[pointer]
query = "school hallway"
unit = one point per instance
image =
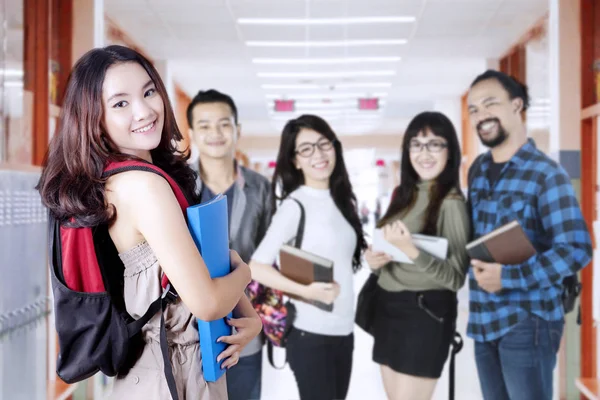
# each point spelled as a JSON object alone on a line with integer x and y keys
{"x": 367, "y": 68}
{"x": 366, "y": 380}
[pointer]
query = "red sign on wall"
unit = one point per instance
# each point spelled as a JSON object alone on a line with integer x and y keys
{"x": 284, "y": 105}
{"x": 371, "y": 103}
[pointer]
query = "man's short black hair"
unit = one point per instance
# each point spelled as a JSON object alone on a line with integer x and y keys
{"x": 509, "y": 83}
{"x": 211, "y": 96}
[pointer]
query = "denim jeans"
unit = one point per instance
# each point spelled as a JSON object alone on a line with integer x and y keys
{"x": 520, "y": 364}
{"x": 243, "y": 379}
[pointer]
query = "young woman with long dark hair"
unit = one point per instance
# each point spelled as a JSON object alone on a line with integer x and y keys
{"x": 416, "y": 305}
{"x": 311, "y": 169}
{"x": 116, "y": 108}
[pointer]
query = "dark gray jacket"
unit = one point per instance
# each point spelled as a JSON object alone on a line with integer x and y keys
{"x": 250, "y": 212}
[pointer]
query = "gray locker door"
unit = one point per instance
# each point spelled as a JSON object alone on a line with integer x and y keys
{"x": 24, "y": 302}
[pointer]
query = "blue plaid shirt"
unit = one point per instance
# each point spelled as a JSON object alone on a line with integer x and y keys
{"x": 537, "y": 192}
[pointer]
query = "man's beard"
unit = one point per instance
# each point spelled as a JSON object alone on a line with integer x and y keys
{"x": 497, "y": 140}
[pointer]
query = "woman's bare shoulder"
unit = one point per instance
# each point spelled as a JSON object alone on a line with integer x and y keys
{"x": 131, "y": 186}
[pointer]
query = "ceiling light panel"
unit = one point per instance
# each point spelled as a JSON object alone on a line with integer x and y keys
{"x": 315, "y": 74}
{"x": 345, "y": 104}
{"x": 345, "y": 113}
{"x": 326, "y": 61}
{"x": 322, "y": 96}
{"x": 332, "y": 86}
{"x": 291, "y": 86}
{"x": 326, "y": 43}
{"x": 327, "y": 21}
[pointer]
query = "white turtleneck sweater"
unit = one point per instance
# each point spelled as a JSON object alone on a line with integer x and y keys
{"x": 326, "y": 234}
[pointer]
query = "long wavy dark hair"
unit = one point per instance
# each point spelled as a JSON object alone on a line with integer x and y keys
{"x": 288, "y": 178}
{"x": 71, "y": 184}
{"x": 405, "y": 195}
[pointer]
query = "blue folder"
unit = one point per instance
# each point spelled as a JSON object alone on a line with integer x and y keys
{"x": 209, "y": 226}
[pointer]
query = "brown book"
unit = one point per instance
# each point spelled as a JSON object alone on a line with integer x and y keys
{"x": 305, "y": 268}
{"x": 507, "y": 245}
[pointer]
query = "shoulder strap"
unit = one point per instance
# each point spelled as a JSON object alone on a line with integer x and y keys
{"x": 117, "y": 167}
{"x": 161, "y": 302}
{"x": 114, "y": 168}
{"x": 300, "y": 231}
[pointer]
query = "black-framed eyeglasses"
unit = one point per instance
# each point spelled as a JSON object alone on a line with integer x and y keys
{"x": 308, "y": 149}
{"x": 433, "y": 146}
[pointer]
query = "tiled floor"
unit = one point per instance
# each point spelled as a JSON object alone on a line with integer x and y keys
{"x": 366, "y": 381}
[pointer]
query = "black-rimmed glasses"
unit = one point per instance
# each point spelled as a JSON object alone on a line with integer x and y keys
{"x": 433, "y": 146}
{"x": 308, "y": 149}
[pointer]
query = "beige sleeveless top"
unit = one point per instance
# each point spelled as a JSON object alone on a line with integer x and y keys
{"x": 146, "y": 380}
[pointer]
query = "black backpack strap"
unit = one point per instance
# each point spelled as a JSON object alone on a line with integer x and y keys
{"x": 291, "y": 313}
{"x": 457, "y": 345}
{"x": 159, "y": 305}
{"x": 164, "y": 349}
{"x": 54, "y": 247}
{"x": 270, "y": 356}
{"x": 300, "y": 231}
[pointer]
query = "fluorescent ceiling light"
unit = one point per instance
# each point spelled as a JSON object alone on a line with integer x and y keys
{"x": 325, "y": 21}
{"x": 325, "y": 61}
{"x": 327, "y": 105}
{"x": 309, "y": 86}
{"x": 326, "y": 43}
{"x": 320, "y": 96}
{"x": 345, "y": 74}
{"x": 351, "y": 112}
{"x": 296, "y": 87}
{"x": 355, "y": 119}
{"x": 320, "y": 112}
{"x": 363, "y": 85}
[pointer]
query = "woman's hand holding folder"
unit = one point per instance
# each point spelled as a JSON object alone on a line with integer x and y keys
{"x": 399, "y": 235}
{"x": 377, "y": 259}
{"x": 247, "y": 328}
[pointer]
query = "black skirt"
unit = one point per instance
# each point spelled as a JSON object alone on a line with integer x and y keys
{"x": 413, "y": 330}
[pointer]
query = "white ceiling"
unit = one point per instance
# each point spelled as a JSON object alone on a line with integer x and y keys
{"x": 447, "y": 47}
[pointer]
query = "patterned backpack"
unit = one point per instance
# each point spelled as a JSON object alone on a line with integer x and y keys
{"x": 277, "y": 316}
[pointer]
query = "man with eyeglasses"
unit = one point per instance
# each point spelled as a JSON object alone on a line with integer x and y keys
{"x": 516, "y": 313}
{"x": 214, "y": 129}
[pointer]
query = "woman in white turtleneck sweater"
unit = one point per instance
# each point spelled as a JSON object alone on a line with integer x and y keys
{"x": 310, "y": 169}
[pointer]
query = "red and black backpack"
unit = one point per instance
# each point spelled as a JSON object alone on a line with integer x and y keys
{"x": 95, "y": 332}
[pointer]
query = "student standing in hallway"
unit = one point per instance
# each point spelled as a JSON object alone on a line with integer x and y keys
{"x": 416, "y": 306}
{"x": 116, "y": 108}
{"x": 311, "y": 169}
{"x": 516, "y": 313}
{"x": 214, "y": 129}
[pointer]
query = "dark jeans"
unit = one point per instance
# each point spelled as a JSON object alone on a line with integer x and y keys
{"x": 243, "y": 379}
{"x": 520, "y": 364}
{"x": 321, "y": 364}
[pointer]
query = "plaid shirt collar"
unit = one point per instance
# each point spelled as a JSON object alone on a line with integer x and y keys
{"x": 524, "y": 154}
